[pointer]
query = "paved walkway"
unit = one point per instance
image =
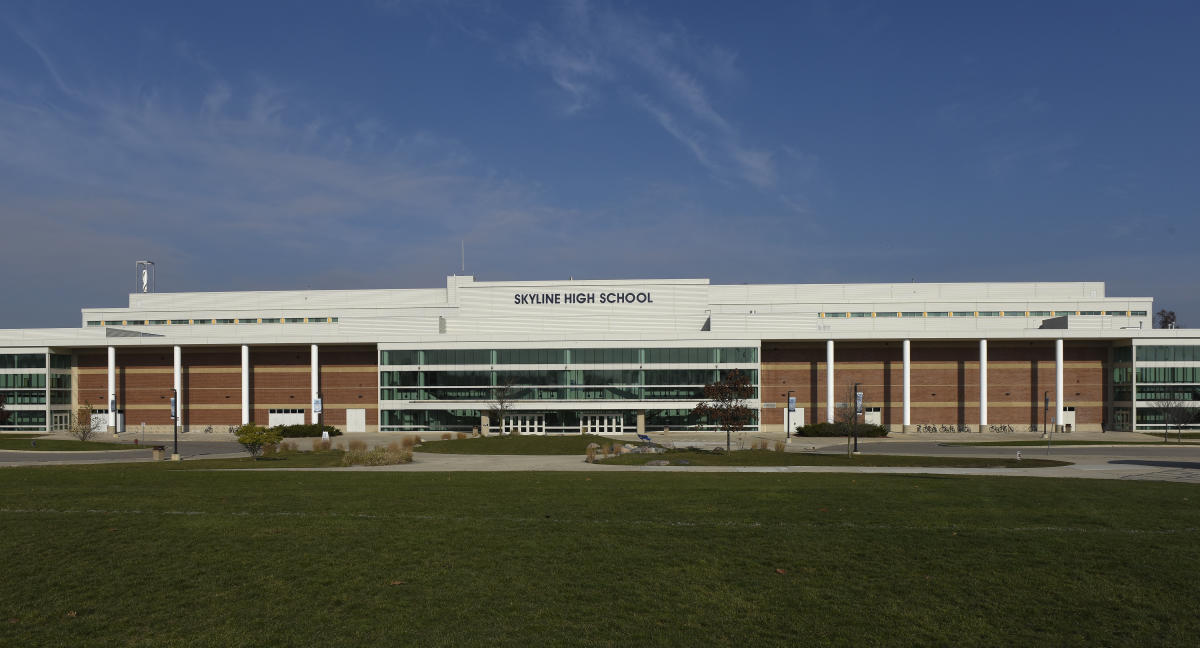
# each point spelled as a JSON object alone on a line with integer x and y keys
{"x": 1161, "y": 462}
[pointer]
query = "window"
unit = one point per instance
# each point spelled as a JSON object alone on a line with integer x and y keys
{"x": 60, "y": 361}
{"x": 247, "y": 320}
{"x": 293, "y": 320}
{"x": 1168, "y": 353}
{"x": 740, "y": 355}
{"x": 912, "y": 314}
{"x": 1138, "y": 313}
{"x": 179, "y": 321}
{"x": 1039, "y": 313}
{"x": 270, "y": 320}
{"x": 400, "y": 357}
{"x": 626, "y": 356}
{"x": 963, "y": 314}
{"x": 833, "y": 314}
{"x": 886, "y": 314}
{"x": 23, "y": 361}
{"x": 1014, "y": 313}
{"x": 937, "y": 314}
{"x": 23, "y": 381}
{"x": 226, "y": 321}
{"x": 458, "y": 357}
{"x": 93, "y": 323}
{"x": 860, "y": 314}
{"x": 157, "y": 322}
{"x": 1089, "y": 312}
{"x": 531, "y": 356}
{"x": 987, "y": 313}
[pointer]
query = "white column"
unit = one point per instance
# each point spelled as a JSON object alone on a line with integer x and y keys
{"x": 245, "y": 384}
{"x": 316, "y": 383}
{"x": 982, "y": 384}
{"x": 829, "y": 381}
{"x": 178, "y": 371}
{"x": 907, "y": 382}
{"x": 112, "y": 389}
{"x": 1058, "y": 382}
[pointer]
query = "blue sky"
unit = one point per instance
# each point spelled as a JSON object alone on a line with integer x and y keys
{"x": 355, "y": 144}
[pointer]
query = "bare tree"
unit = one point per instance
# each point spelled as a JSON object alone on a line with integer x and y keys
{"x": 3, "y": 412}
{"x": 501, "y": 403}
{"x": 82, "y": 426}
{"x": 1166, "y": 319}
{"x": 1176, "y": 413}
{"x": 725, "y": 402}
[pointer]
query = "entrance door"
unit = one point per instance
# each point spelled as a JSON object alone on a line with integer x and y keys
{"x": 525, "y": 424}
{"x": 356, "y": 421}
{"x": 601, "y": 424}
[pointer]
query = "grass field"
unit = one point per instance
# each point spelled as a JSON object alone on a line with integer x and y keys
{"x": 769, "y": 458}
{"x": 517, "y": 445}
{"x": 150, "y": 555}
{"x": 22, "y": 442}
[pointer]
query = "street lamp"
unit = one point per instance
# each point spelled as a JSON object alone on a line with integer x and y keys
{"x": 787, "y": 414}
{"x": 175, "y": 422}
{"x": 857, "y": 407}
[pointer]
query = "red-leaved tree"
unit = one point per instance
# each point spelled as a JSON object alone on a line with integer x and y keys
{"x": 725, "y": 403}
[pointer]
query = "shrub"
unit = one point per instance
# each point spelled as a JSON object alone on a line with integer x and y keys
{"x": 377, "y": 457}
{"x": 358, "y": 445}
{"x": 446, "y": 436}
{"x": 841, "y": 429}
{"x": 305, "y": 431}
{"x": 408, "y": 441}
{"x": 460, "y": 436}
{"x": 254, "y": 438}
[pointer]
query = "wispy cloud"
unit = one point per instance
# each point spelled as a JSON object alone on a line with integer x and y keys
{"x": 593, "y": 52}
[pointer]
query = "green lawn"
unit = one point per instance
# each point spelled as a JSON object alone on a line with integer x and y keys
{"x": 1174, "y": 435}
{"x": 770, "y": 458}
{"x": 23, "y": 442}
{"x": 150, "y": 555}
{"x": 518, "y": 445}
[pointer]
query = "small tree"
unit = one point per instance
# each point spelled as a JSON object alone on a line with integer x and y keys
{"x": 725, "y": 403}
{"x": 1166, "y": 319}
{"x": 501, "y": 403}
{"x": 3, "y": 413}
{"x": 1177, "y": 414}
{"x": 255, "y": 437}
{"x": 83, "y": 427}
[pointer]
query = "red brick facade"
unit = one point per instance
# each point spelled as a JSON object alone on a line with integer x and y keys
{"x": 280, "y": 378}
{"x": 945, "y": 380}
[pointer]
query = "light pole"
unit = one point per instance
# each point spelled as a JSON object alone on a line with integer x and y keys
{"x": 1048, "y": 432}
{"x": 788, "y": 414}
{"x": 857, "y": 407}
{"x": 175, "y": 422}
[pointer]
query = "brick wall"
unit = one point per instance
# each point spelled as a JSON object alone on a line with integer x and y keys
{"x": 945, "y": 380}
{"x": 280, "y": 378}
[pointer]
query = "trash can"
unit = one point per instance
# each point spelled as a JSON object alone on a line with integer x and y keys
{"x": 157, "y": 452}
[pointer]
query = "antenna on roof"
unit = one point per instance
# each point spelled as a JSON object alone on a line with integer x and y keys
{"x": 144, "y": 276}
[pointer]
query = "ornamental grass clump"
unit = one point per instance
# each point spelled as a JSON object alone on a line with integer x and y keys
{"x": 780, "y": 445}
{"x": 358, "y": 445}
{"x": 319, "y": 445}
{"x": 388, "y": 456}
